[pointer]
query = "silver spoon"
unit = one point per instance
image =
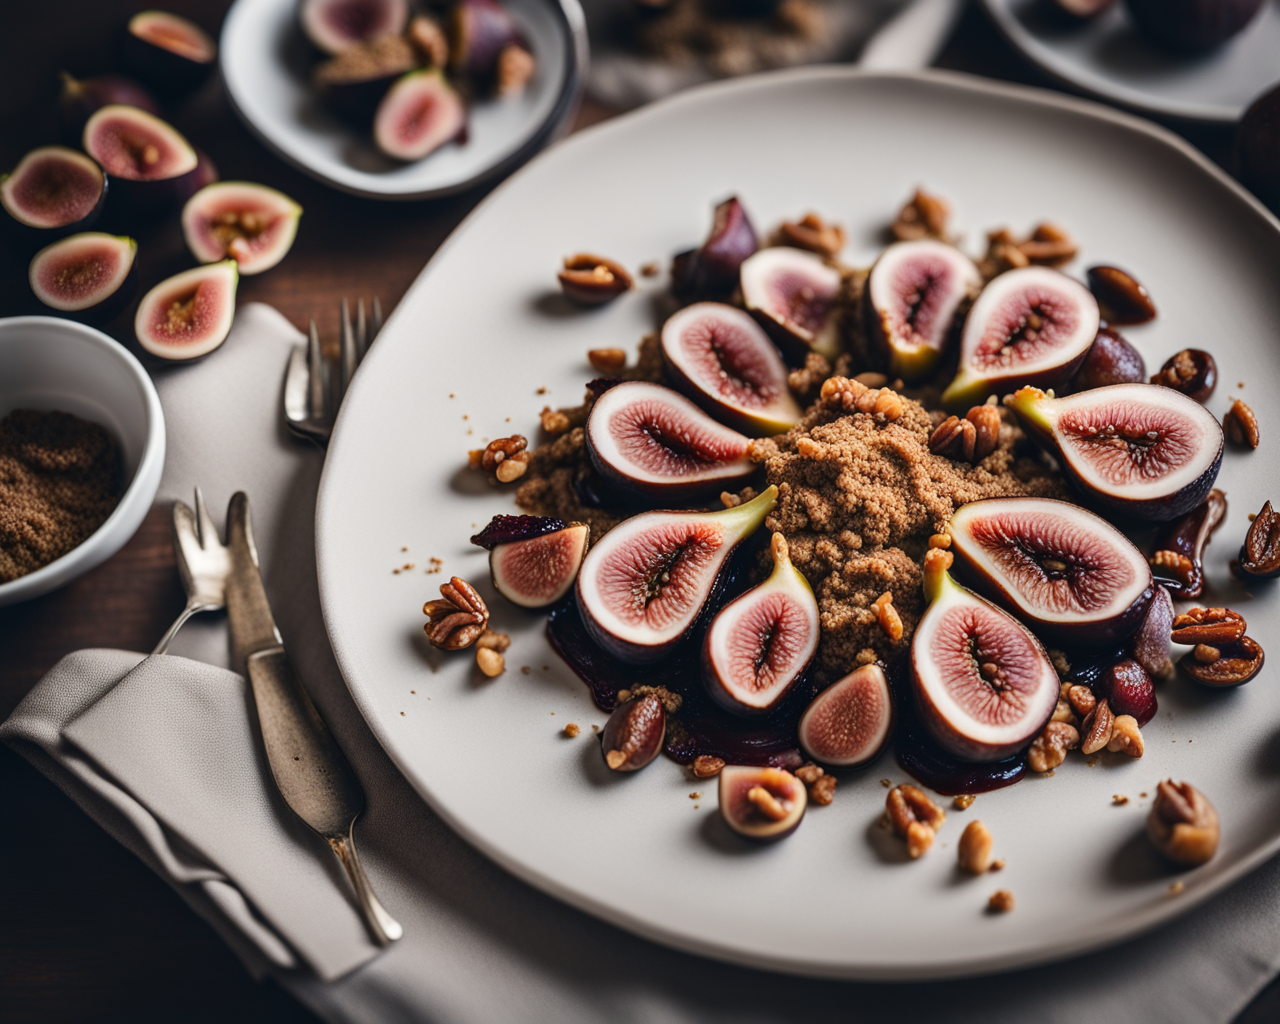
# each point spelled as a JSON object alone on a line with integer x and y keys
{"x": 202, "y": 563}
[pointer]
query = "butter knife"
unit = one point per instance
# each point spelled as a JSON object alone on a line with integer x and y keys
{"x": 306, "y": 761}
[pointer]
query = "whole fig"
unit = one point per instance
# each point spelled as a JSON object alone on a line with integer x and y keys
{"x": 1192, "y": 24}
{"x": 1258, "y": 147}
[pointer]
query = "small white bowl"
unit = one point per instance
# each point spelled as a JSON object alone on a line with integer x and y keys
{"x": 47, "y": 363}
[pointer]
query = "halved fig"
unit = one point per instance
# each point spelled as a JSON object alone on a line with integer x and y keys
{"x": 479, "y": 30}
{"x": 169, "y": 53}
{"x": 152, "y": 166}
{"x": 1031, "y": 326}
{"x": 763, "y": 804}
{"x": 910, "y": 303}
{"x": 354, "y": 82}
{"x": 190, "y": 314}
{"x": 79, "y": 99}
{"x": 1151, "y": 647}
{"x": 252, "y": 224}
{"x": 1129, "y": 690}
{"x": 791, "y": 292}
{"x": 719, "y": 357}
{"x": 983, "y": 684}
{"x": 53, "y": 192}
{"x": 90, "y": 276}
{"x": 533, "y": 559}
{"x": 1110, "y": 360}
{"x": 760, "y": 644}
{"x": 643, "y": 585}
{"x": 1068, "y": 574}
{"x": 334, "y": 25}
{"x": 711, "y": 271}
{"x": 420, "y": 114}
{"x": 1148, "y": 452}
{"x": 849, "y": 723}
{"x": 649, "y": 440}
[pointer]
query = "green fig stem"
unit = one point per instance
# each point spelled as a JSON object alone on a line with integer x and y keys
{"x": 747, "y": 517}
{"x": 784, "y": 572}
{"x": 937, "y": 580}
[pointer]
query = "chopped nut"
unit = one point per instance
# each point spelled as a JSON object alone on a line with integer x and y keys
{"x": 1001, "y": 901}
{"x": 650, "y": 269}
{"x": 593, "y": 280}
{"x": 814, "y": 234}
{"x": 823, "y": 790}
{"x": 504, "y": 459}
{"x": 940, "y": 540}
{"x": 808, "y": 773}
{"x": 607, "y": 360}
{"x": 1047, "y": 245}
{"x": 1205, "y": 654}
{"x": 1182, "y": 824}
{"x": 624, "y": 695}
{"x": 974, "y": 850}
{"x": 1098, "y": 728}
{"x": 1126, "y": 737}
{"x": 1064, "y": 713}
{"x": 1060, "y": 663}
{"x": 1082, "y": 699}
{"x": 963, "y": 801}
{"x": 914, "y": 817}
{"x": 866, "y": 656}
{"x": 729, "y": 500}
{"x": 427, "y": 35}
{"x": 491, "y": 662}
{"x": 1119, "y": 799}
{"x": 513, "y": 468}
{"x": 1049, "y": 749}
{"x": 851, "y": 396}
{"x": 493, "y": 640}
{"x": 1177, "y": 887}
{"x": 705, "y": 766}
{"x": 1241, "y": 425}
{"x": 888, "y": 617}
{"x": 516, "y": 66}
{"x": 571, "y": 729}
{"x": 954, "y": 438}
{"x": 924, "y": 216}
{"x": 458, "y": 618}
{"x": 554, "y": 422}
{"x": 997, "y": 865}
{"x": 986, "y": 423}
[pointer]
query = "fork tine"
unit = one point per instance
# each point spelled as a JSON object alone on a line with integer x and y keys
{"x": 347, "y": 363}
{"x": 362, "y": 331}
{"x": 208, "y": 531}
{"x": 377, "y": 319}
{"x": 315, "y": 373}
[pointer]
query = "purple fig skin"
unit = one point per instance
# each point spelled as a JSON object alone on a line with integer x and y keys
{"x": 1194, "y": 25}
{"x": 506, "y": 529}
{"x": 1110, "y": 360}
{"x": 711, "y": 271}
{"x": 1129, "y": 691}
{"x": 1151, "y": 645}
{"x": 1258, "y": 148}
{"x": 79, "y": 99}
{"x": 478, "y": 32}
{"x": 166, "y": 70}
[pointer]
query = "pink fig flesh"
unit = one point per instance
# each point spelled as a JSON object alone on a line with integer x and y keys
{"x": 419, "y": 114}
{"x": 189, "y": 315}
{"x": 539, "y": 571}
{"x": 850, "y": 722}
{"x": 792, "y": 293}
{"x": 252, "y": 224}
{"x": 136, "y": 146}
{"x": 88, "y": 271}
{"x": 333, "y": 25}
{"x": 53, "y": 187}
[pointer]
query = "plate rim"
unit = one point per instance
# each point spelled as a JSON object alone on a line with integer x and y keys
{"x": 1141, "y": 922}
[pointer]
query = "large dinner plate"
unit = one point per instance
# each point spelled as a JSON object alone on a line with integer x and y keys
{"x": 481, "y": 342}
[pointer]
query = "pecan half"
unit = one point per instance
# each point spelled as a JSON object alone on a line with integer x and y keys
{"x": 1125, "y": 736}
{"x": 458, "y": 618}
{"x": 1260, "y": 552}
{"x": 593, "y": 280}
{"x": 1179, "y": 549}
{"x": 954, "y": 438}
{"x": 1183, "y": 824}
{"x": 1047, "y": 245}
{"x": 1208, "y": 626}
{"x": 1235, "y": 663}
{"x": 813, "y": 233}
{"x": 1191, "y": 371}
{"x": 986, "y": 423}
{"x": 1049, "y": 749}
{"x": 914, "y": 817}
{"x": 705, "y": 766}
{"x": 1098, "y": 728}
{"x": 1241, "y": 425}
{"x": 924, "y": 216}
{"x": 504, "y": 460}
{"x": 516, "y": 66}
{"x": 851, "y": 396}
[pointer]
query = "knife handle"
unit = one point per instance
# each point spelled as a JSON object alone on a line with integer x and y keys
{"x": 384, "y": 928}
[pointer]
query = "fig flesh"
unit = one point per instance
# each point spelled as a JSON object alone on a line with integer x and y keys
{"x": 983, "y": 684}
{"x": 189, "y": 315}
{"x": 850, "y": 722}
{"x": 711, "y": 271}
{"x": 90, "y": 276}
{"x": 152, "y": 166}
{"x": 651, "y": 441}
{"x": 53, "y": 192}
{"x": 79, "y": 100}
{"x": 792, "y": 292}
{"x": 252, "y": 224}
{"x": 419, "y": 114}
{"x": 910, "y": 303}
{"x": 762, "y": 804}
{"x": 1192, "y": 24}
{"x": 1143, "y": 451}
{"x": 760, "y": 644}
{"x": 479, "y": 30}
{"x": 533, "y": 565}
{"x": 1031, "y": 326}
{"x": 719, "y": 357}
{"x": 1068, "y": 574}
{"x": 644, "y": 583}
{"x": 1110, "y": 360}
{"x": 334, "y": 25}
{"x": 169, "y": 53}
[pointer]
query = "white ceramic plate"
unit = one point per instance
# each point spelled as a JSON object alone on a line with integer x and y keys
{"x": 266, "y": 62}
{"x": 466, "y": 357}
{"x": 1108, "y": 57}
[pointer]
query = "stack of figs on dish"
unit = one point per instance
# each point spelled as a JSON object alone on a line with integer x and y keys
{"x": 662, "y": 600}
{"x": 131, "y": 171}
{"x": 1183, "y": 26}
{"x": 410, "y": 76}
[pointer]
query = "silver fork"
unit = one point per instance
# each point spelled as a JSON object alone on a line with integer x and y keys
{"x": 310, "y": 401}
{"x": 202, "y": 564}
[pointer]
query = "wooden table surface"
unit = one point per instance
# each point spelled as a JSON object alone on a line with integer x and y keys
{"x": 87, "y": 933}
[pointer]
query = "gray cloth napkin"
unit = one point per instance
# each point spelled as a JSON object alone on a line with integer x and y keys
{"x": 479, "y": 946}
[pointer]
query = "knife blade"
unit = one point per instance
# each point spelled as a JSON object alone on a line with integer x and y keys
{"x": 308, "y": 766}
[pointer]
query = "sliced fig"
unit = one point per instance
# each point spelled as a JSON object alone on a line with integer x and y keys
{"x": 190, "y": 314}
{"x": 763, "y": 804}
{"x": 983, "y": 684}
{"x": 760, "y": 644}
{"x": 533, "y": 565}
{"x": 354, "y": 82}
{"x": 79, "y": 100}
{"x": 1110, "y": 360}
{"x": 1128, "y": 690}
{"x": 711, "y": 271}
{"x": 90, "y": 276}
{"x": 169, "y": 53}
{"x": 649, "y": 440}
{"x": 910, "y": 303}
{"x": 420, "y": 114}
{"x": 52, "y": 193}
{"x": 719, "y": 357}
{"x": 1031, "y": 326}
{"x": 1148, "y": 452}
{"x": 153, "y": 168}
{"x": 479, "y": 30}
{"x": 252, "y": 224}
{"x": 849, "y": 723}
{"x": 1151, "y": 647}
{"x": 1068, "y": 574}
{"x": 643, "y": 585}
{"x": 335, "y": 25}
{"x": 791, "y": 293}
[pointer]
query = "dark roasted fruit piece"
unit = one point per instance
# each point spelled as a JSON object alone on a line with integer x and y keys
{"x": 1225, "y": 665}
{"x": 1110, "y": 360}
{"x": 593, "y": 280}
{"x": 479, "y": 31}
{"x": 1177, "y": 557}
{"x": 1139, "y": 450}
{"x": 1192, "y": 24}
{"x": 644, "y": 583}
{"x": 1260, "y": 552}
{"x": 792, "y": 292}
{"x": 850, "y": 722}
{"x": 153, "y": 169}
{"x": 169, "y": 53}
{"x": 763, "y": 804}
{"x": 1258, "y": 147}
{"x": 1065, "y": 572}
{"x": 79, "y": 100}
{"x": 652, "y": 441}
{"x": 1183, "y": 825}
{"x": 633, "y": 736}
{"x": 353, "y": 82}
{"x": 1213, "y": 626}
{"x": 1031, "y": 326}
{"x": 711, "y": 271}
{"x": 1121, "y": 298}
{"x": 418, "y": 115}
{"x": 1084, "y": 8}
{"x": 1151, "y": 644}
{"x": 252, "y": 224}
{"x": 910, "y": 302}
{"x": 983, "y": 684}
{"x": 189, "y": 315}
{"x": 52, "y": 193}
{"x": 1191, "y": 371}
{"x": 537, "y": 571}
{"x": 89, "y": 277}
{"x": 335, "y": 25}
{"x": 758, "y": 646}
{"x": 506, "y": 529}
{"x": 721, "y": 358}
{"x": 1129, "y": 690}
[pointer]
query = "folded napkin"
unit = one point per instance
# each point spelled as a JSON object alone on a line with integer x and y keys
{"x": 479, "y": 946}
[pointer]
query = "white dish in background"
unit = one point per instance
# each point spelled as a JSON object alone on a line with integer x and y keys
{"x": 483, "y": 323}
{"x": 48, "y": 363}
{"x": 1109, "y": 57}
{"x": 266, "y": 62}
